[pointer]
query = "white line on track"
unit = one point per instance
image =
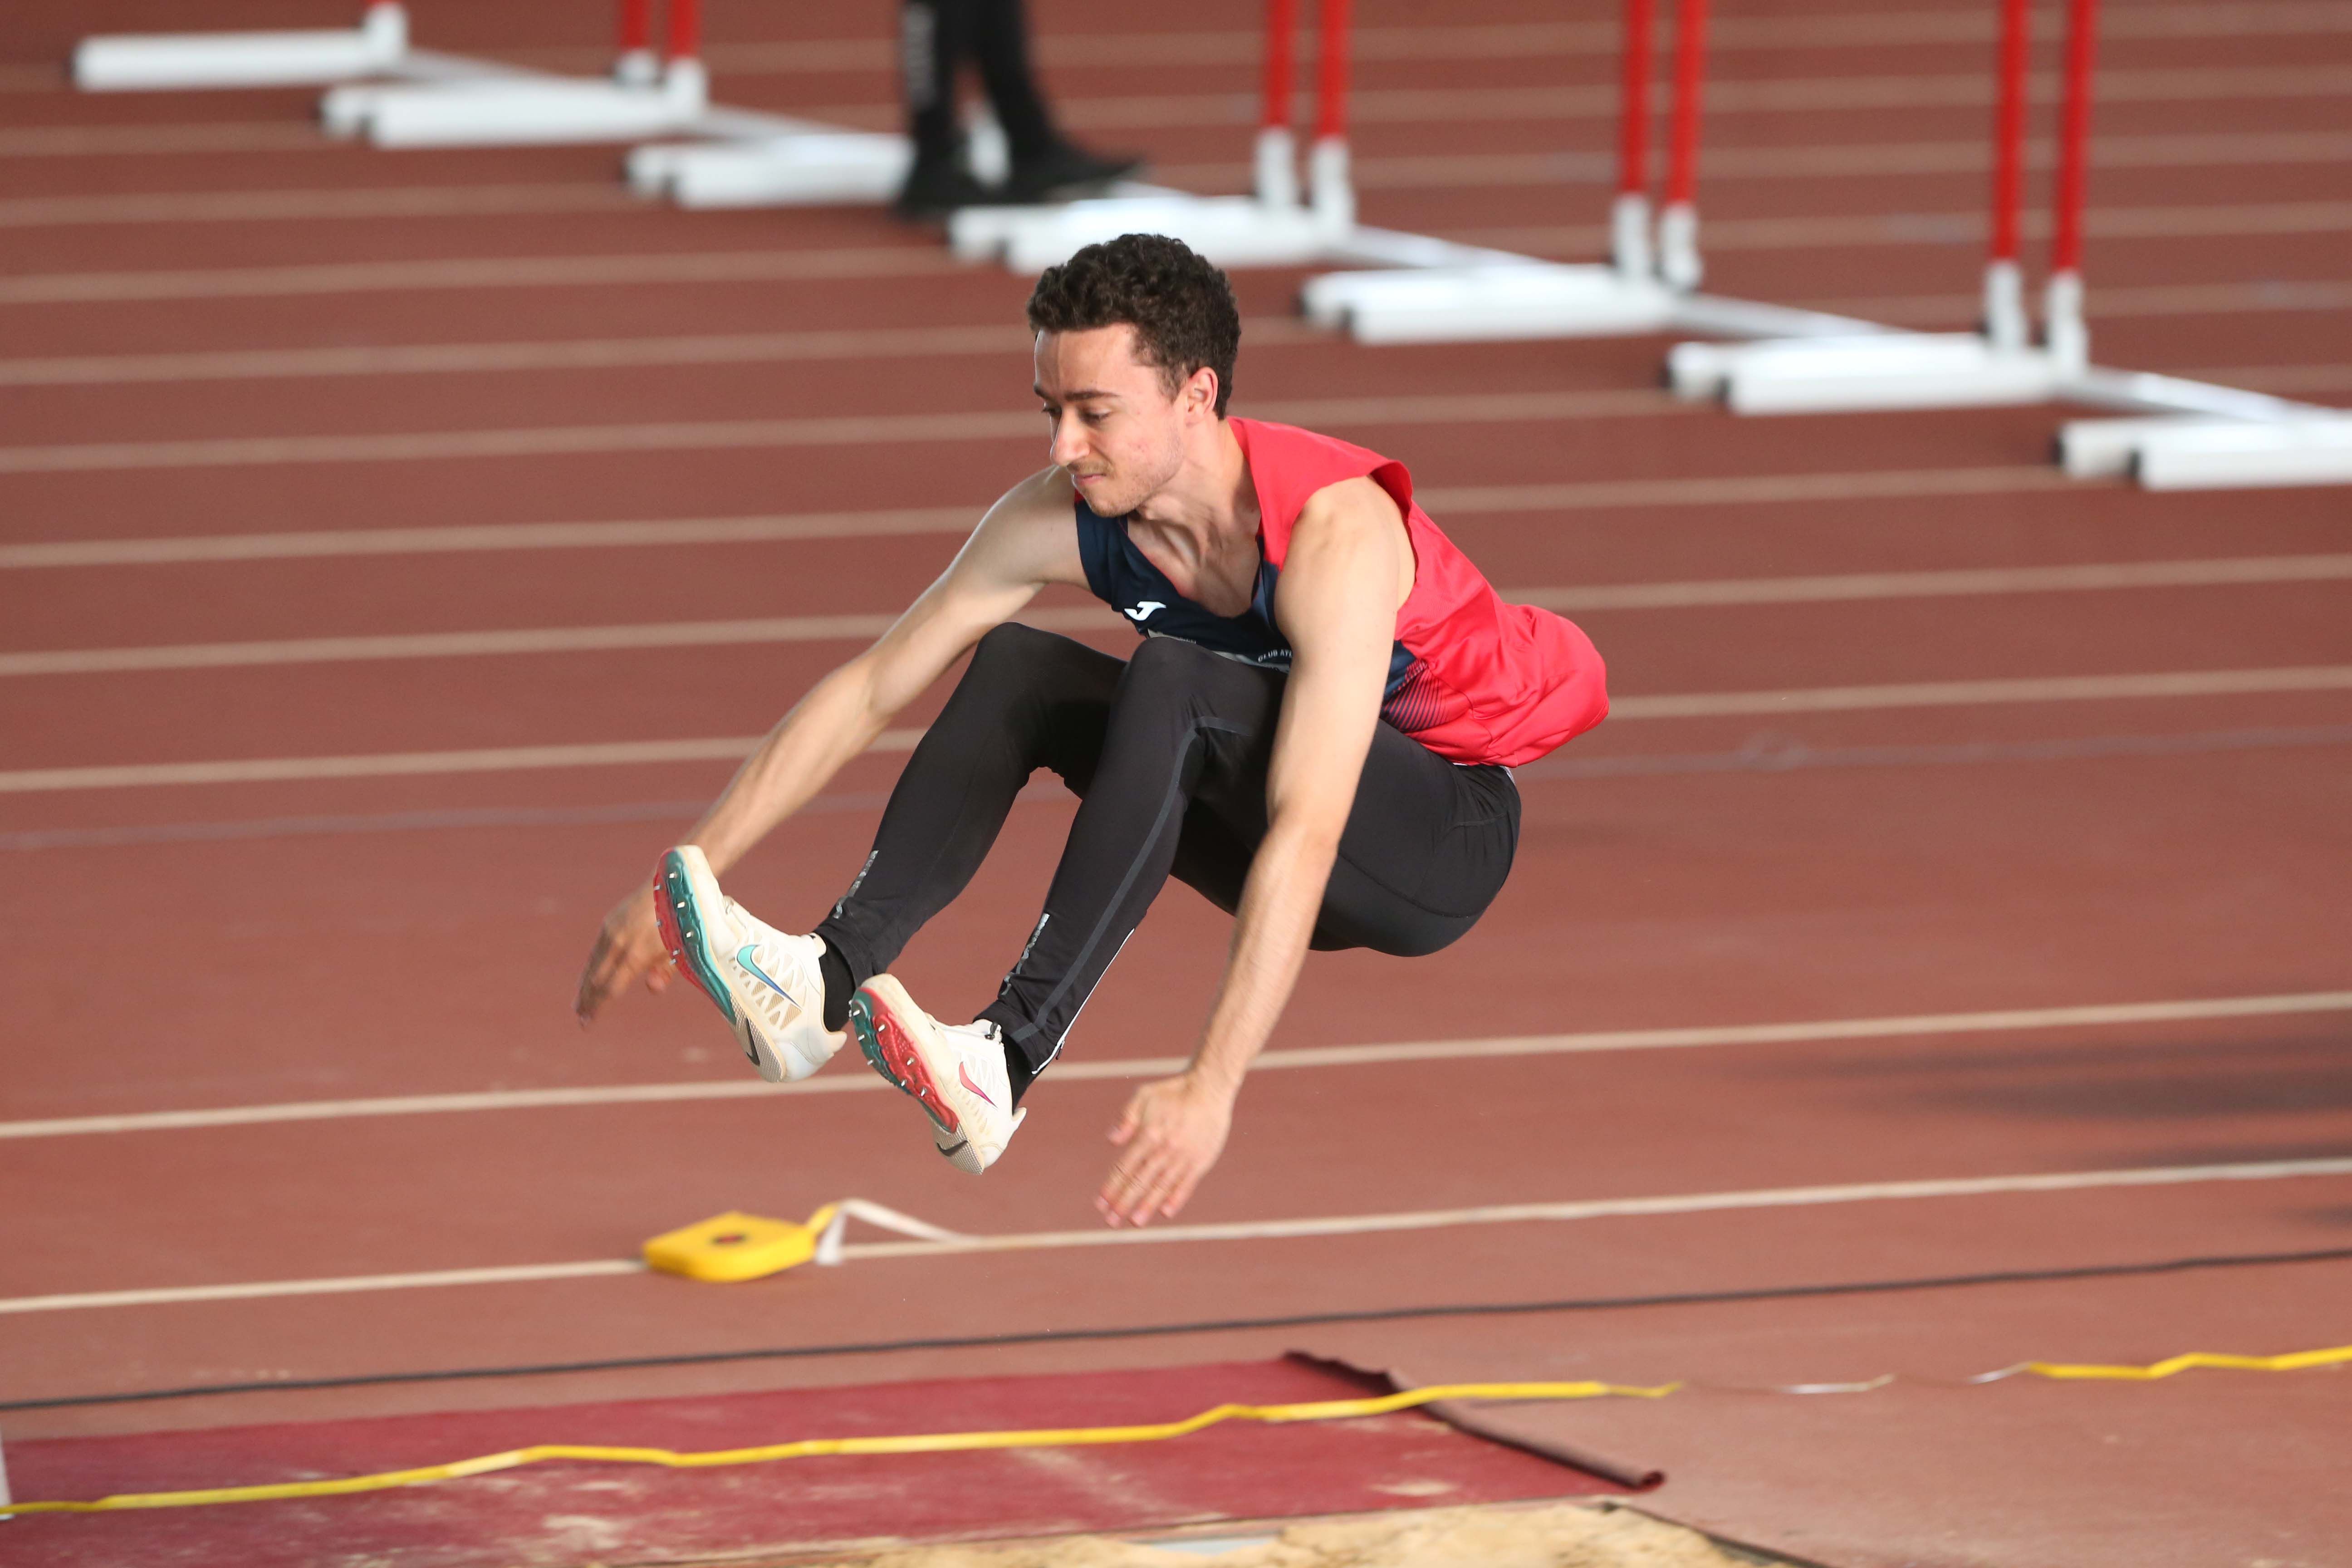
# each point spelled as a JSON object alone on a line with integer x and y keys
{"x": 1455, "y": 171}
{"x": 860, "y": 262}
{"x": 1949, "y": 229}
{"x": 801, "y": 57}
{"x": 308, "y": 205}
{"x": 1793, "y": 95}
{"x": 836, "y": 430}
{"x": 1442, "y": 501}
{"x": 927, "y": 343}
{"x": 1535, "y": 39}
{"x": 2119, "y": 304}
{"x": 1909, "y": 1027}
{"x": 2241, "y": 571}
{"x": 734, "y": 748}
{"x": 1262, "y": 1230}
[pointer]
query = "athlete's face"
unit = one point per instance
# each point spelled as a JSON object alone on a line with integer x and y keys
{"x": 1116, "y": 429}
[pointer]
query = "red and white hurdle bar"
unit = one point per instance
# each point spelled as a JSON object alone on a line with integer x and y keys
{"x": 1648, "y": 285}
{"x": 2202, "y": 435}
{"x": 1280, "y": 224}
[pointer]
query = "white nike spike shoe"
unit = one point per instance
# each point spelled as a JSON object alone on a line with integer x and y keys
{"x": 766, "y": 981}
{"x": 956, "y": 1072}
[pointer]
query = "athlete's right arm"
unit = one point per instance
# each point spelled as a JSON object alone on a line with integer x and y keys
{"x": 1025, "y": 542}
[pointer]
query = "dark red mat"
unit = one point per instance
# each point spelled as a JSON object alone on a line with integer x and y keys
{"x": 566, "y": 1514}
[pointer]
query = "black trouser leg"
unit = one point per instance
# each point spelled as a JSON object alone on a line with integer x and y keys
{"x": 1180, "y": 714}
{"x": 1029, "y": 700}
{"x": 1168, "y": 752}
{"x": 1001, "y": 40}
{"x": 1180, "y": 787}
{"x": 935, "y": 37}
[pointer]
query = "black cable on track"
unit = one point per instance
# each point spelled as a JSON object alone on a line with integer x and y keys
{"x": 1211, "y": 1326}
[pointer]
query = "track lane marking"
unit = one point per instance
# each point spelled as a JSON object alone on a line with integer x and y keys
{"x": 1256, "y": 1230}
{"x": 480, "y": 272}
{"x": 823, "y": 430}
{"x": 865, "y": 342}
{"x": 2007, "y": 1020}
{"x": 2264, "y": 218}
{"x": 734, "y": 748}
{"x": 1854, "y": 587}
{"x": 1586, "y": 495}
{"x": 800, "y": 57}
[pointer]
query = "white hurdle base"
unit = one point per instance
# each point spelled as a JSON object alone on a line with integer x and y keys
{"x": 139, "y": 62}
{"x": 814, "y": 169}
{"x": 2211, "y": 454}
{"x": 1487, "y": 303}
{"x": 1872, "y": 371}
{"x": 518, "y": 111}
{"x": 1499, "y": 297}
{"x": 1230, "y": 231}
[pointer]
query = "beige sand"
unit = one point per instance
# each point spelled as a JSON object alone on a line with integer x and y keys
{"x": 1559, "y": 1535}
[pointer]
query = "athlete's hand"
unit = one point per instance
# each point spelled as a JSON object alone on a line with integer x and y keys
{"x": 1170, "y": 1134}
{"x": 629, "y": 946}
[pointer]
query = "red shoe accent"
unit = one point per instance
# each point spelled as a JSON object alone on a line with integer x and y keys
{"x": 907, "y": 1068}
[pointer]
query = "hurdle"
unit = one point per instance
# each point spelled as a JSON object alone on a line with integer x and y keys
{"x": 2205, "y": 435}
{"x": 392, "y": 94}
{"x": 646, "y": 95}
{"x": 1650, "y": 282}
{"x": 1280, "y": 224}
{"x": 155, "y": 62}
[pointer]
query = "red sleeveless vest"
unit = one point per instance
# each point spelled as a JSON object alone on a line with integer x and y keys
{"x": 1487, "y": 681}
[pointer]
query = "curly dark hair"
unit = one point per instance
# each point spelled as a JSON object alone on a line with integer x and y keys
{"x": 1182, "y": 308}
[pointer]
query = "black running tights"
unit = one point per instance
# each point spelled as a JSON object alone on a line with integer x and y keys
{"x": 1167, "y": 751}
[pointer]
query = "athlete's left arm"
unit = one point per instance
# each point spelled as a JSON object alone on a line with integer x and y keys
{"x": 1349, "y": 569}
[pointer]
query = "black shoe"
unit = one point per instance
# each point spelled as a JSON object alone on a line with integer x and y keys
{"x": 1064, "y": 173}
{"x": 932, "y": 191}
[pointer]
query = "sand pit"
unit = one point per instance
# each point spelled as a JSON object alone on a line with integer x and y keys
{"x": 1558, "y": 1535}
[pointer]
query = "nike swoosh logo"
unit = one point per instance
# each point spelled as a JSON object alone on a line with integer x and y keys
{"x": 963, "y": 1073}
{"x": 747, "y": 956}
{"x": 1142, "y": 612}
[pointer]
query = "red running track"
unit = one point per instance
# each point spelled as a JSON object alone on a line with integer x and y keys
{"x": 223, "y": 946}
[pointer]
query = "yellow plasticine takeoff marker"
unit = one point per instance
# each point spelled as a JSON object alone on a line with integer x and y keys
{"x": 732, "y": 1247}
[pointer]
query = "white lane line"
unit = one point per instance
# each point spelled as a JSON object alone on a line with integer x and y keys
{"x": 1260, "y": 1230}
{"x": 567, "y": 354}
{"x": 306, "y": 206}
{"x": 574, "y": 354}
{"x": 836, "y": 430}
{"x": 480, "y": 272}
{"x": 1442, "y": 501}
{"x": 310, "y": 544}
{"x": 1836, "y": 161}
{"x": 385, "y": 764}
{"x": 537, "y": 640}
{"x": 345, "y": 1285}
{"x": 1915, "y": 1026}
{"x": 1614, "y": 1208}
{"x": 1785, "y": 95}
{"x": 1950, "y": 228}
{"x": 1971, "y": 693}
{"x": 868, "y": 343}
{"x": 734, "y": 748}
{"x": 1846, "y": 588}
{"x": 2129, "y": 301}
{"x": 800, "y": 57}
